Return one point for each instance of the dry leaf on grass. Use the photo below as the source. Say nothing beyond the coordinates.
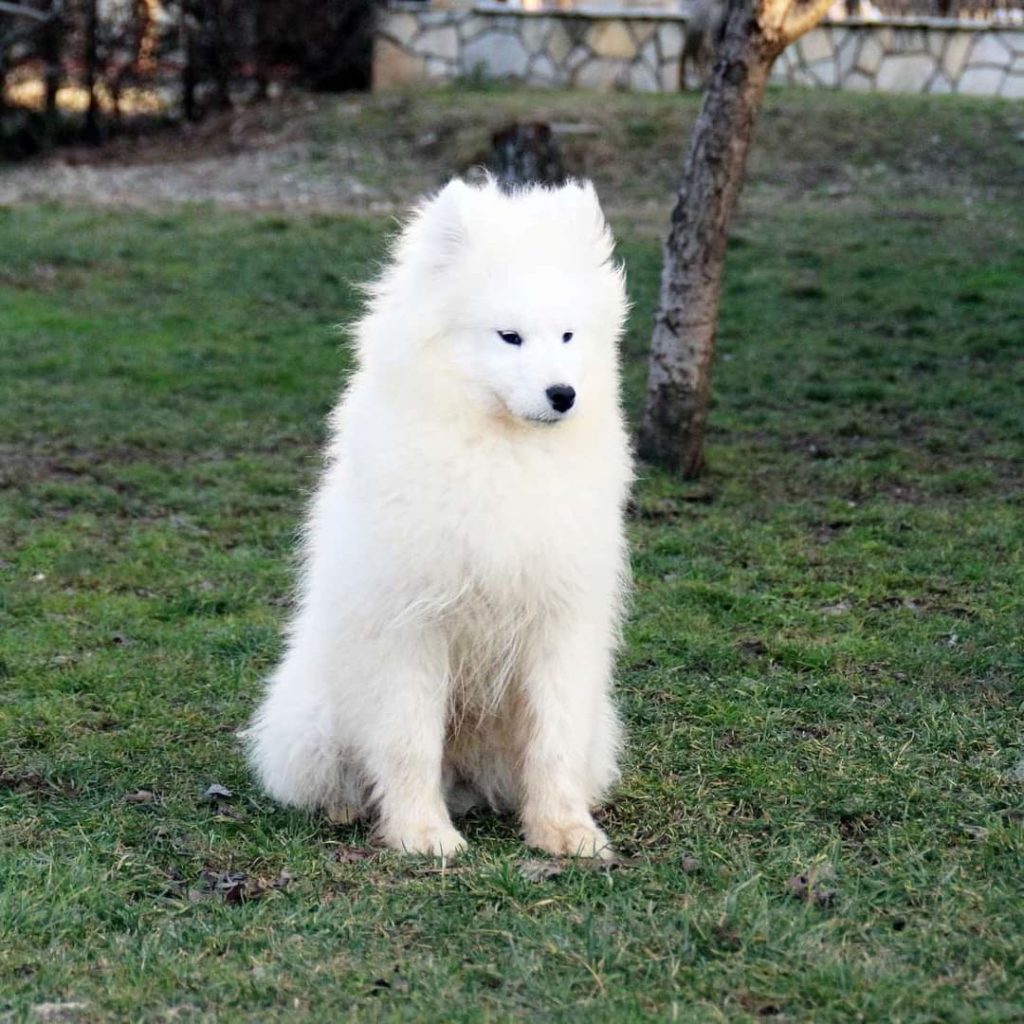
(355, 854)
(539, 870)
(35, 784)
(976, 832)
(57, 1011)
(235, 887)
(140, 796)
(396, 983)
(219, 797)
(839, 608)
(752, 647)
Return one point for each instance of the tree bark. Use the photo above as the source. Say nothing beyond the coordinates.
(678, 384)
(92, 133)
(189, 107)
(51, 49)
(672, 430)
(219, 52)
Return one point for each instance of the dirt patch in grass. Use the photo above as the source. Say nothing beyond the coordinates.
(35, 786)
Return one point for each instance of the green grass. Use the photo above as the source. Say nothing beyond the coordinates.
(630, 144)
(822, 671)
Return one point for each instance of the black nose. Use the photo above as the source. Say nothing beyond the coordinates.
(561, 397)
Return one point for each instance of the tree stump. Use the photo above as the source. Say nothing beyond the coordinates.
(526, 154)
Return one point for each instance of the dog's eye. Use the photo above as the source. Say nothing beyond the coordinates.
(567, 337)
(510, 337)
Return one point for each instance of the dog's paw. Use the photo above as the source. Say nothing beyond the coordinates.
(570, 839)
(426, 840)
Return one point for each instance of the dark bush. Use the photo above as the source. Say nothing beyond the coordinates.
(328, 42)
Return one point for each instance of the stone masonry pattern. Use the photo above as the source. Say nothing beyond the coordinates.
(640, 52)
(907, 58)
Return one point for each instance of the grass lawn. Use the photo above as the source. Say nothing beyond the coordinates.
(823, 673)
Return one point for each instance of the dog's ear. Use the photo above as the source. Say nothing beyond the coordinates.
(588, 217)
(586, 196)
(443, 221)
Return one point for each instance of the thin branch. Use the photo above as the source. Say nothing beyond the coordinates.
(782, 21)
(802, 16)
(34, 13)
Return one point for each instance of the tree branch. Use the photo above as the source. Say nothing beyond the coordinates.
(34, 13)
(803, 16)
(782, 21)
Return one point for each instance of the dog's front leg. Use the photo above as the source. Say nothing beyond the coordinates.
(566, 689)
(404, 715)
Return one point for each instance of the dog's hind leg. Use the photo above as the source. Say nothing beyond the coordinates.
(295, 742)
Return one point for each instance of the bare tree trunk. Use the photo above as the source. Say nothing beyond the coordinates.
(672, 432)
(92, 113)
(260, 40)
(116, 92)
(189, 107)
(51, 50)
(220, 52)
(683, 343)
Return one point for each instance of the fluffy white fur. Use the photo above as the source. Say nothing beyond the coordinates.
(465, 562)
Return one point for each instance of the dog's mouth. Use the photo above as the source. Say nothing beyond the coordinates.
(545, 418)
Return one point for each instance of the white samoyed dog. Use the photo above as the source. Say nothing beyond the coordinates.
(464, 559)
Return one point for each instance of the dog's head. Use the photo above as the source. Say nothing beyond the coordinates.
(521, 296)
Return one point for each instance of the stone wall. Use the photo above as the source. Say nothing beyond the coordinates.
(633, 50)
(639, 50)
(937, 57)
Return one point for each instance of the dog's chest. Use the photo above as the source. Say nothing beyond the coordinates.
(518, 523)
(501, 527)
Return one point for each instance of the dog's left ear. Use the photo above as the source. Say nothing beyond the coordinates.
(587, 197)
(443, 222)
(589, 217)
